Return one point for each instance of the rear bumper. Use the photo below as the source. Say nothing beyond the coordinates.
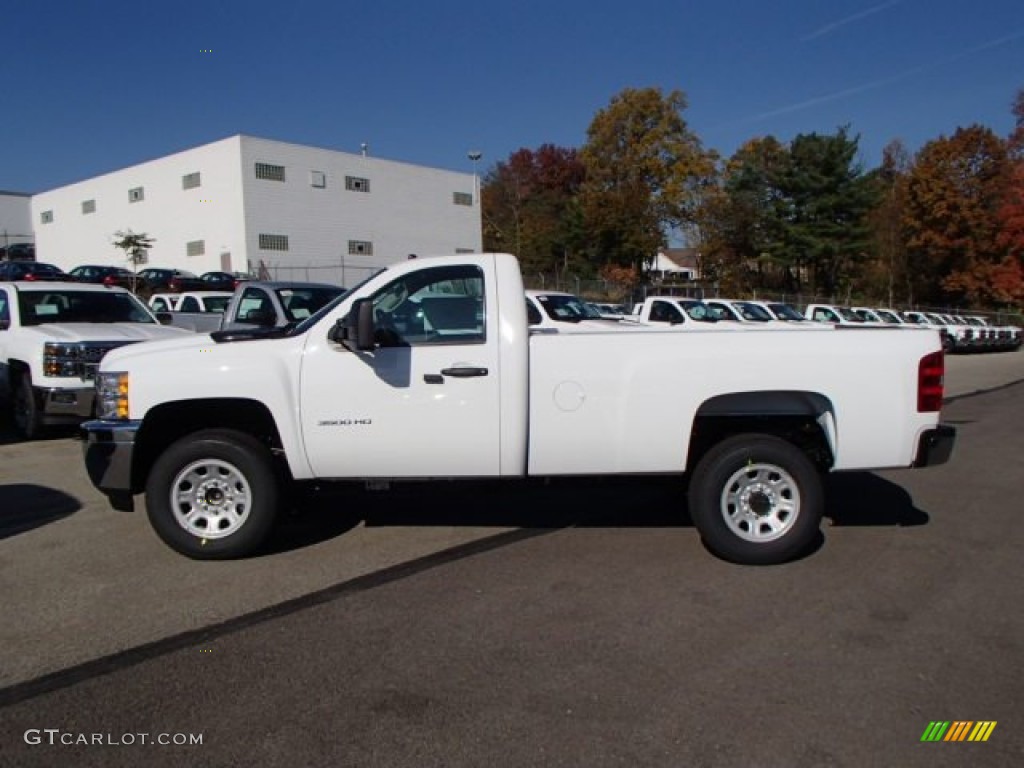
(935, 446)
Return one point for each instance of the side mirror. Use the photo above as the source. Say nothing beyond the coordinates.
(164, 318)
(355, 331)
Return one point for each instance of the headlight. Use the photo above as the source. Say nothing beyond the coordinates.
(60, 359)
(112, 395)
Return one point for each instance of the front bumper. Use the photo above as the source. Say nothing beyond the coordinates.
(64, 405)
(935, 446)
(108, 447)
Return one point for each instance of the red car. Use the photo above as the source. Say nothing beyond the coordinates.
(104, 275)
(158, 280)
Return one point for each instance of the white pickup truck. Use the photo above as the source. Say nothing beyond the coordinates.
(676, 311)
(253, 304)
(429, 370)
(52, 337)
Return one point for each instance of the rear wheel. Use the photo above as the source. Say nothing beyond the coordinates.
(214, 495)
(25, 412)
(756, 499)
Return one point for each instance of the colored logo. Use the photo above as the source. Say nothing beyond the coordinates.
(958, 730)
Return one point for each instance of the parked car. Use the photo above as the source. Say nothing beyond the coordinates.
(18, 252)
(672, 310)
(11, 271)
(156, 280)
(104, 275)
(223, 281)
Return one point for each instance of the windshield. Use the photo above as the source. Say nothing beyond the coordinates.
(698, 310)
(867, 315)
(216, 303)
(752, 311)
(300, 303)
(70, 306)
(785, 312)
(719, 312)
(848, 314)
(888, 317)
(567, 308)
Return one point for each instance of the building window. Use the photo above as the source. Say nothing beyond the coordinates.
(269, 172)
(88, 206)
(195, 248)
(318, 179)
(136, 195)
(462, 198)
(46, 217)
(273, 242)
(360, 248)
(191, 180)
(356, 184)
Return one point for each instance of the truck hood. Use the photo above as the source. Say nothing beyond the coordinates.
(187, 340)
(123, 332)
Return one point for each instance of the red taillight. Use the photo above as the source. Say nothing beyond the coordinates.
(930, 373)
(30, 277)
(174, 284)
(108, 280)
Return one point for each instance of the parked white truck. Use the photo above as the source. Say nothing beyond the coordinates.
(253, 304)
(52, 337)
(428, 370)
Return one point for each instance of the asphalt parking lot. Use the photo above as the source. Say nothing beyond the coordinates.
(562, 624)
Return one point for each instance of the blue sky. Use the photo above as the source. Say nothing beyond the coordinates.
(90, 86)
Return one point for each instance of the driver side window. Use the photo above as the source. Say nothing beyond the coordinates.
(442, 305)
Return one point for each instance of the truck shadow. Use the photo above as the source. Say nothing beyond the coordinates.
(851, 499)
(24, 507)
(863, 498)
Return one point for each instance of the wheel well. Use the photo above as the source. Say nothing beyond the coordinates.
(796, 417)
(169, 422)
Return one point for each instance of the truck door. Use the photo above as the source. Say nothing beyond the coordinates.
(425, 402)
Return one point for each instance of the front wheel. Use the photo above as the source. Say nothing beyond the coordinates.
(25, 412)
(756, 500)
(214, 495)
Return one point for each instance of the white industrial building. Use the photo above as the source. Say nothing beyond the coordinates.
(245, 204)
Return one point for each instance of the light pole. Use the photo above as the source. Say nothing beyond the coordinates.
(475, 155)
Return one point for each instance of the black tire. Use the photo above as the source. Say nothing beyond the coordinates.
(25, 414)
(227, 482)
(757, 500)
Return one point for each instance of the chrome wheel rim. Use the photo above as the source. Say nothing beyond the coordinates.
(760, 502)
(211, 499)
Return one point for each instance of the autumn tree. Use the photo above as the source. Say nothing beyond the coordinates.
(954, 194)
(888, 274)
(1007, 283)
(645, 171)
(530, 207)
